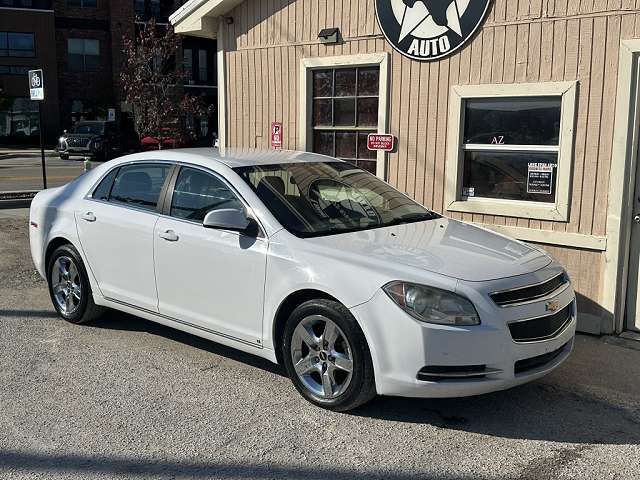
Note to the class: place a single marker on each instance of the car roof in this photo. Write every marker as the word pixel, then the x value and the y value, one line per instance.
pixel 232 157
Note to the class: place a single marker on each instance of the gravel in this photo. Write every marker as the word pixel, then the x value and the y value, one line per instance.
pixel 126 398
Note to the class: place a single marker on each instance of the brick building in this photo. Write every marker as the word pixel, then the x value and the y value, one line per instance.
pixel 79 44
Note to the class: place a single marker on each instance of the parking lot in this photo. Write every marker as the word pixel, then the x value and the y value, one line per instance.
pixel 125 398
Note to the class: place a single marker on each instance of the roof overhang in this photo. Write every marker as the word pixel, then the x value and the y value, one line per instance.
pixel 200 17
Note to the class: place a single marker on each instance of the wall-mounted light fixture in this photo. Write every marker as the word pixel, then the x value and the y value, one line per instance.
pixel 228 20
pixel 330 35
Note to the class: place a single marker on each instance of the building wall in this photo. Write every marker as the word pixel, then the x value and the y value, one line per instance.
pixel 42 24
pixel 521 41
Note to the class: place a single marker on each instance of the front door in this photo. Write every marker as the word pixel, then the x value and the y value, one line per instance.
pixel 212 279
pixel 116 230
pixel 632 304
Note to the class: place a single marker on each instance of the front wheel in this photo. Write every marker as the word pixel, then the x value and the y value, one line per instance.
pixel 327 357
pixel 69 286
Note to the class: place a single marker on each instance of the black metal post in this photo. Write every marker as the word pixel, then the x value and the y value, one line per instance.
pixel 44 169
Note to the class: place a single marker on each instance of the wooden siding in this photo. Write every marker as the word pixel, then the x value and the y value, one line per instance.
pixel 521 41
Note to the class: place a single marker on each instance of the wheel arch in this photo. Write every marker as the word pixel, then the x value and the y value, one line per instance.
pixel 51 247
pixel 286 307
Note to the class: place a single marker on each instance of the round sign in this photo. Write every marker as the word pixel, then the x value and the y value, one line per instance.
pixel 429 29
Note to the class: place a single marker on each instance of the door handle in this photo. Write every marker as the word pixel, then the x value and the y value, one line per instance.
pixel 636 218
pixel 169 236
pixel 89 217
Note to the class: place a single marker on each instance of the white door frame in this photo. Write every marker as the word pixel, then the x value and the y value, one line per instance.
pixel 622 184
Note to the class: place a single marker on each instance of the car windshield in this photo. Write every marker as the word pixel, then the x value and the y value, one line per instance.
pixel 325 198
pixel 88 128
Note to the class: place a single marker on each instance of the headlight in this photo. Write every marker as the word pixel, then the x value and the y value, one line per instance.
pixel 432 305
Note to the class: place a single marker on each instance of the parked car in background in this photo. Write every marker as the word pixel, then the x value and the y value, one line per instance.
pixel 307 261
pixel 98 140
pixel 168 140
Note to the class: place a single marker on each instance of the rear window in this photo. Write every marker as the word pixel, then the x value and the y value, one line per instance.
pixel 137 185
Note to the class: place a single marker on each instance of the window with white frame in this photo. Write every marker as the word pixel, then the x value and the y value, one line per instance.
pixel 510 150
pixel 343 99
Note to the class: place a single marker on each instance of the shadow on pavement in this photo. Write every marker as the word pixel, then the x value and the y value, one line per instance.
pixel 59 464
pixel 552 409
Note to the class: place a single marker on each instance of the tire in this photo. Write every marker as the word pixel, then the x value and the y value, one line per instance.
pixel 323 357
pixel 75 286
pixel 64 156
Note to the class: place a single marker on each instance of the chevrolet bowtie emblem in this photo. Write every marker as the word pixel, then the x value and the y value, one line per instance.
pixel 552 306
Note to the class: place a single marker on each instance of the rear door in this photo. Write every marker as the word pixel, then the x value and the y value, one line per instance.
pixel 212 279
pixel 116 228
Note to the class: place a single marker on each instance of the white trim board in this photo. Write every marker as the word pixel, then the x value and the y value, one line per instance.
pixel 548 237
pixel 558 211
pixel 310 63
pixel 621 184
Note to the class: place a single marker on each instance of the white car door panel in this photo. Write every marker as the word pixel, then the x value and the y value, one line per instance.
pixel 210 278
pixel 118 240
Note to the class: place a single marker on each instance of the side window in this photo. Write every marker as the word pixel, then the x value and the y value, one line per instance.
pixel 197 193
pixel 139 185
pixel 102 191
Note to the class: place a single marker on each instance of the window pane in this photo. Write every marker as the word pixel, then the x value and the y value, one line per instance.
pixel 74 3
pixel 3 40
pixel 102 192
pixel 368 81
pixel 91 47
pixel 322 83
pixel 346 144
pixel 139 185
pixel 197 193
pixel 367 165
pixel 510 175
pixel 368 112
pixel 91 63
pixel 323 142
pixel 513 121
pixel 187 64
pixel 75 45
pixel 76 63
pixel 89 3
pixel 322 112
pixel 21 44
pixel 344 111
pixel 202 65
pixel 345 82
pixel 363 151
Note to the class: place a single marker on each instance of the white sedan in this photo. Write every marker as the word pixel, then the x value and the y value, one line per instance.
pixel 310 262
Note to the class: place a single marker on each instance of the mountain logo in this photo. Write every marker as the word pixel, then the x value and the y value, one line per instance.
pixel 429 29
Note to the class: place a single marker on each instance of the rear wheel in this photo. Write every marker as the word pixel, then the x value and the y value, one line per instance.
pixel 69 286
pixel 327 356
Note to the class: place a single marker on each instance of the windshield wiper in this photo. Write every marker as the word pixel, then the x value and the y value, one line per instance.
pixel 412 218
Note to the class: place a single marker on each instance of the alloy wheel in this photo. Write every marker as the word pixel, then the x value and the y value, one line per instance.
pixel 66 285
pixel 322 356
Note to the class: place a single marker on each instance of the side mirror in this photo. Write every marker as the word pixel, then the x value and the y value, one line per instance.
pixel 231 219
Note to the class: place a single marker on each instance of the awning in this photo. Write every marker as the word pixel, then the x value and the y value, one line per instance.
pixel 199 17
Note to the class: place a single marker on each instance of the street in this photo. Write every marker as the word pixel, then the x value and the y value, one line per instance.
pixel 126 398
pixel 24 172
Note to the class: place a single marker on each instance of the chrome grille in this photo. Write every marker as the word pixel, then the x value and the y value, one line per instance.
pixel 531 293
pixel 76 142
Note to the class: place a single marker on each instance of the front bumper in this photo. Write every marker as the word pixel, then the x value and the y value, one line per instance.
pixel 402 346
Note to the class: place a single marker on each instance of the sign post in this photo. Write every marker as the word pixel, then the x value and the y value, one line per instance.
pixel 36 92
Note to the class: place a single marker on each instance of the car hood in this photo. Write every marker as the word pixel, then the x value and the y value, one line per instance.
pixel 444 246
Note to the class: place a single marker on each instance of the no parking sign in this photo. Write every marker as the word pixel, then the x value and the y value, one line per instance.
pixel 276 135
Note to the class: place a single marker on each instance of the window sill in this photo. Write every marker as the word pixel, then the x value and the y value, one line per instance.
pixel 511 208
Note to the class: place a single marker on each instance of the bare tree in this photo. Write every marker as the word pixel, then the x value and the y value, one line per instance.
pixel 153 83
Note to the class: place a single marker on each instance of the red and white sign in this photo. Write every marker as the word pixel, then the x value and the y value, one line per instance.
pixel 381 141
pixel 276 135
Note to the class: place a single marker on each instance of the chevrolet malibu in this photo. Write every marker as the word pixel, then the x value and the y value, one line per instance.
pixel 310 262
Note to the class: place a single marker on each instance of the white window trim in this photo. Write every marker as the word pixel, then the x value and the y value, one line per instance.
pixel 558 211
pixel 373 59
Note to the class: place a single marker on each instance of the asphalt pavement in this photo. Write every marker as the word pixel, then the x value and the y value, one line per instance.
pixel 126 398
pixel 23 171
